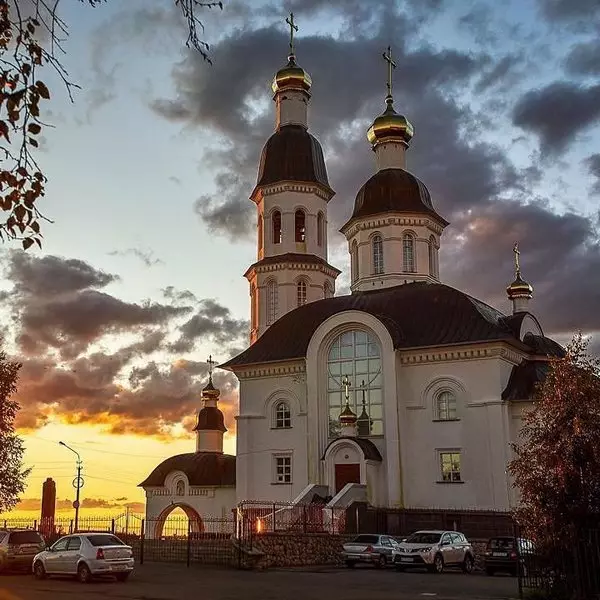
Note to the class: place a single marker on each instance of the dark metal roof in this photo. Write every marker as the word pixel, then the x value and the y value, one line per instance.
pixel 415 314
pixel 210 418
pixel 524 378
pixel 369 449
pixel 292 257
pixel 201 468
pixel 544 346
pixel 292 154
pixel 393 190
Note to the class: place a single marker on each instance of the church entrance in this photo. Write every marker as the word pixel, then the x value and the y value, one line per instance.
pixel 346 473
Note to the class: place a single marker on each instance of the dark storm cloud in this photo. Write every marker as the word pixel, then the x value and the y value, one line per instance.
pixel 593 165
pixel 501 72
pixel 568 11
pixel 557 113
pixel 584 59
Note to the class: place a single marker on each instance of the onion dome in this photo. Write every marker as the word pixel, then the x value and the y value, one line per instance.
pixel 210 391
pixel 210 418
pixel 390 127
pixel 291 77
pixel 347 417
pixel 519 288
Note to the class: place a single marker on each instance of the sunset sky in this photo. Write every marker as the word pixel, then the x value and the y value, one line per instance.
pixel 140 277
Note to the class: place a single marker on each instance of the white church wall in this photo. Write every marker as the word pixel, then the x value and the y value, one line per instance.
pixel 260 442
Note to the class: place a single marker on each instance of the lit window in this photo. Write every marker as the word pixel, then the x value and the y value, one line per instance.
pixel 354 261
pixel 276 219
pixel 408 253
pixel 283 469
pixel 272 300
pixel 283 416
pixel 450 466
pixel 445 406
pixel 377 255
pixel 300 228
pixel 301 292
pixel 320 224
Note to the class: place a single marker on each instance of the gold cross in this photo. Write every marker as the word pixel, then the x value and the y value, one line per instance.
pixel 517 254
pixel 391 65
pixel 211 363
pixel 346 384
pixel 293 27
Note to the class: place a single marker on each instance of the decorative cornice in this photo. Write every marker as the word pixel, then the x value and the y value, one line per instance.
pixel 271 370
pixel 292 186
pixel 296 265
pixel 402 220
pixel 433 355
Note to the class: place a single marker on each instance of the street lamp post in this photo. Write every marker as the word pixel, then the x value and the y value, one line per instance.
pixel 77 482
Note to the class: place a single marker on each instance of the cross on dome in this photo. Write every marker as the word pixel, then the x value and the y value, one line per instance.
pixel 211 363
pixel 517 254
pixel 391 66
pixel 293 27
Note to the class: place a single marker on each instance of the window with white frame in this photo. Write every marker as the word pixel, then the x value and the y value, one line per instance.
pixel 450 466
pixel 272 301
pixel 445 406
pixel 377 254
pixel 408 253
pixel 301 292
pixel 283 469
pixel 283 415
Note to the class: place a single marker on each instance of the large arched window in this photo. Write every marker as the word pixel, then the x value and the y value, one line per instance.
pixel 433 258
pixel 301 292
pixel 327 290
pixel 260 232
pixel 300 226
pixel 354 261
pixel 377 254
pixel 445 406
pixel 408 253
pixel 283 416
pixel 272 301
pixel 355 354
pixel 320 229
pixel 276 225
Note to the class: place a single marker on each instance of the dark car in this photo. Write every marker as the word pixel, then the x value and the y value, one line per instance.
pixel 508 554
pixel 18 547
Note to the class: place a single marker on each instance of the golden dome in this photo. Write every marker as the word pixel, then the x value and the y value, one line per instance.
pixel 291 76
pixel 519 288
pixel 347 417
pixel 210 391
pixel 390 126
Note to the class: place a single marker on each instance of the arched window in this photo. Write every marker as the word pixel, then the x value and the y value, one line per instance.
pixel 327 291
pixel 301 292
pixel 283 416
pixel 320 226
pixel 445 406
pixel 357 355
pixel 408 253
pixel 377 254
pixel 354 261
pixel 300 226
pixel 276 219
pixel 260 232
pixel 253 306
pixel 180 488
pixel 272 301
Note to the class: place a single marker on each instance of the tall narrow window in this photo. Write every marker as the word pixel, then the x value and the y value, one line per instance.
pixel 272 300
pixel 301 292
pixel 320 225
pixel 445 406
pixel 283 416
pixel 253 307
pixel 276 218
pixel 260 232
pixel 354 261
pixel 377 255
pixel 300 226
pixel 408 253
pixel 432 256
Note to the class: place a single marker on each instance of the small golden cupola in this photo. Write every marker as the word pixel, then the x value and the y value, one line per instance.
pixel 519 291
pixel 348 417
pixel 390 127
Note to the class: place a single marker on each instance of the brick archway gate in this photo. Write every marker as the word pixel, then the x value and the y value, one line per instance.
pixel 195 523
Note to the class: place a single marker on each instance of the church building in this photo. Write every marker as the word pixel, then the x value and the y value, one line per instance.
pixel 406 392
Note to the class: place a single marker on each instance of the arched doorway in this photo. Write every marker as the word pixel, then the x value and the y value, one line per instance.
pixel 176 520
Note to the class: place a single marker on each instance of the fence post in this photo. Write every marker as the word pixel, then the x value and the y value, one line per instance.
pixel 112 526
pixel 142 538
pixel 274 524
pixel 35 525
pixel 71 526
pixel 189 548
pixel 304 517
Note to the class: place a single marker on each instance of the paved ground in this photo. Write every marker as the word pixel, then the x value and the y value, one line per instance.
pixel 156 581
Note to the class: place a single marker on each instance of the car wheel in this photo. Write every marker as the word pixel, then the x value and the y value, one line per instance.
pixel 38 570
pixel 84 575
pixel 122 576
pixel 381 562
pixel 350 564
pixel 489 571
pixel 467 565
pixel 438 564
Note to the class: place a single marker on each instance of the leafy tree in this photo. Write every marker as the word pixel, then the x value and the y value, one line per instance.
pixel 557 463
pixel 31 34
pixel 12 476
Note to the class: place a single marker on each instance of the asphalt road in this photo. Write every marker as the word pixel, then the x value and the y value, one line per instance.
pixel 159 581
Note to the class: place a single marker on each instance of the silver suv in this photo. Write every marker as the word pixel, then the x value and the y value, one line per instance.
pixel 18 547
pixel 435 550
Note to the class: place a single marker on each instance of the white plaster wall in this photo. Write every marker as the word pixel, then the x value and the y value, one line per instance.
pixel 390 155
pixel 259 441
pixel 291 108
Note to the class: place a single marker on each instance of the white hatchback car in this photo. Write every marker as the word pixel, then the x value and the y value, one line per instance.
pixel 85 555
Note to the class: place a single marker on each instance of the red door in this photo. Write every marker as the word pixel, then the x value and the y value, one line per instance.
pixel 346 474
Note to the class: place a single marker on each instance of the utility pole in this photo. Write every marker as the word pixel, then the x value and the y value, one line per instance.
pixel 77 483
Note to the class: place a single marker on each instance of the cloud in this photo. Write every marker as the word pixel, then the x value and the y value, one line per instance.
pixel 584 59
pixel 557 113
pixel 592 163
pixel 35 504
pixel 578 12
pixel 147 257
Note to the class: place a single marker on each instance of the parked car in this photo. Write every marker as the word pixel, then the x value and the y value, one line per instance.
pixel 85 555
pixel 373 549
pixel 507 553
pixel 435 550
pixel 18 547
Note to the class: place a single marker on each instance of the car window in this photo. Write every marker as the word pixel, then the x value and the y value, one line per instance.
pixel 74 543
pixel 366 539
pixel 24 537
pixel 385 541
pixel 502 543
pixel 423 537
pixel 106 540
pixel 60 545
pixel 446 539
pixel 456 538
